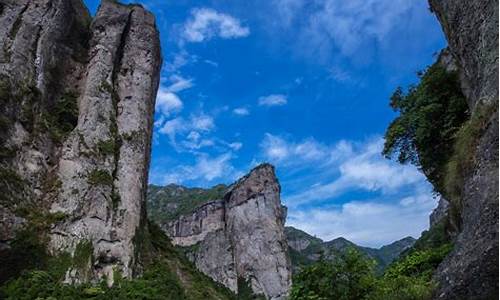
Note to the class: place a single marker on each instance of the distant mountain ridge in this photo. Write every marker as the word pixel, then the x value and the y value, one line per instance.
pixel 168 203
pixel 305 249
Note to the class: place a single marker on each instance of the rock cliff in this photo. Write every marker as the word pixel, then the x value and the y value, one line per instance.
pixel 471 270
pixel 77 108
pixel 241 236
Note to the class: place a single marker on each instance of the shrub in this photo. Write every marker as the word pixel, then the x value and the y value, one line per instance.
pixel 106 147
pixel 463 158
pixel 100 177
pixel 349 276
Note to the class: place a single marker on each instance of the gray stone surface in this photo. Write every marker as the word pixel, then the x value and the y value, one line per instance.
pixel 471 270
pixel 440 212
pixel 241 236
pixel 98 174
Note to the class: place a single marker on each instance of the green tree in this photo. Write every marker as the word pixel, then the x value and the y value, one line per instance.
pixel 347 277
pixel 430 114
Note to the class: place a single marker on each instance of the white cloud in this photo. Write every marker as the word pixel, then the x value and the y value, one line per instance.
pixel 241 111
pixel 235 146
pixel 178 60
pixel 283 152
pixel 179 83
pixel 173 127
pixel 212 63
pixel 356 29
pixel 337 168
pixel 194 126
pixel 371 223
pixel 207 23
pixel 202 122
pixel 167 102
pixel 206 169
pixel 273 100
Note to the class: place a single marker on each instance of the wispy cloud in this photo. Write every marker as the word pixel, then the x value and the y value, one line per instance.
pixel 273 100
pixel 206 23
pixel 359 30
pixel 372 222
pixel 195 125
pixel 241 111
pixel 204 171
pixel 338 168
pixel 321 179
pixel 179 83
pixel 167 102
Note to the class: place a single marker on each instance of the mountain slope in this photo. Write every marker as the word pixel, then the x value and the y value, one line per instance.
pixel 306 249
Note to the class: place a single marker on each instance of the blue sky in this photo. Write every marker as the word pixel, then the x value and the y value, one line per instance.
pixel 304 85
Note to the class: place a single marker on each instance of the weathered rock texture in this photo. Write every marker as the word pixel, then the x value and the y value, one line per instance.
pixel 92 175
pixel 471 270
pixel 440 212
pixel 240 237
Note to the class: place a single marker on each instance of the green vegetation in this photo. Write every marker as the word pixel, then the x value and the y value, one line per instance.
pixel 430 115
pixel 168 275
pixel 100 177
pixel 106 147
pixel 329 250
pixel 462 160
pixel 11 185
pixel 64 116
pixel 351 276
pixel 436 132
pixel 169 202
pixel 245 291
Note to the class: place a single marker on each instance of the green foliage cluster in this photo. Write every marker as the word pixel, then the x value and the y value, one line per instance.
pixel 245 291
pixel 351 276
pixel 62 118
pixel 106 147
pixel 168 275
pixel 430 114
pixel 157 283
pixel 27 249
pixel 11 185
pixel 166 203
pixel 100 177
pixel 462 160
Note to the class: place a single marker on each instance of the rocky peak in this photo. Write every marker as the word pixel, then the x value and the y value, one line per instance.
pixel 240 236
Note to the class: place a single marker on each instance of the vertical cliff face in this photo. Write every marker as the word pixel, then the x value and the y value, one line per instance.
pixel 42 59
pixel 240 237
pixel 471 270
pixel 80 98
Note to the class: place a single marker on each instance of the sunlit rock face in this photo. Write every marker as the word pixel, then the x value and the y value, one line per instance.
pixel 93 176
pixel 240 236
pixel 471 270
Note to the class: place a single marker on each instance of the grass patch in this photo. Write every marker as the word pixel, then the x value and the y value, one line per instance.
pixel 63 117
pixel 106 147
pixel 100 177
pixel 463 159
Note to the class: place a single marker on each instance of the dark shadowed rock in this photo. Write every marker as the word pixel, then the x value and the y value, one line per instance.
pixel 471 270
